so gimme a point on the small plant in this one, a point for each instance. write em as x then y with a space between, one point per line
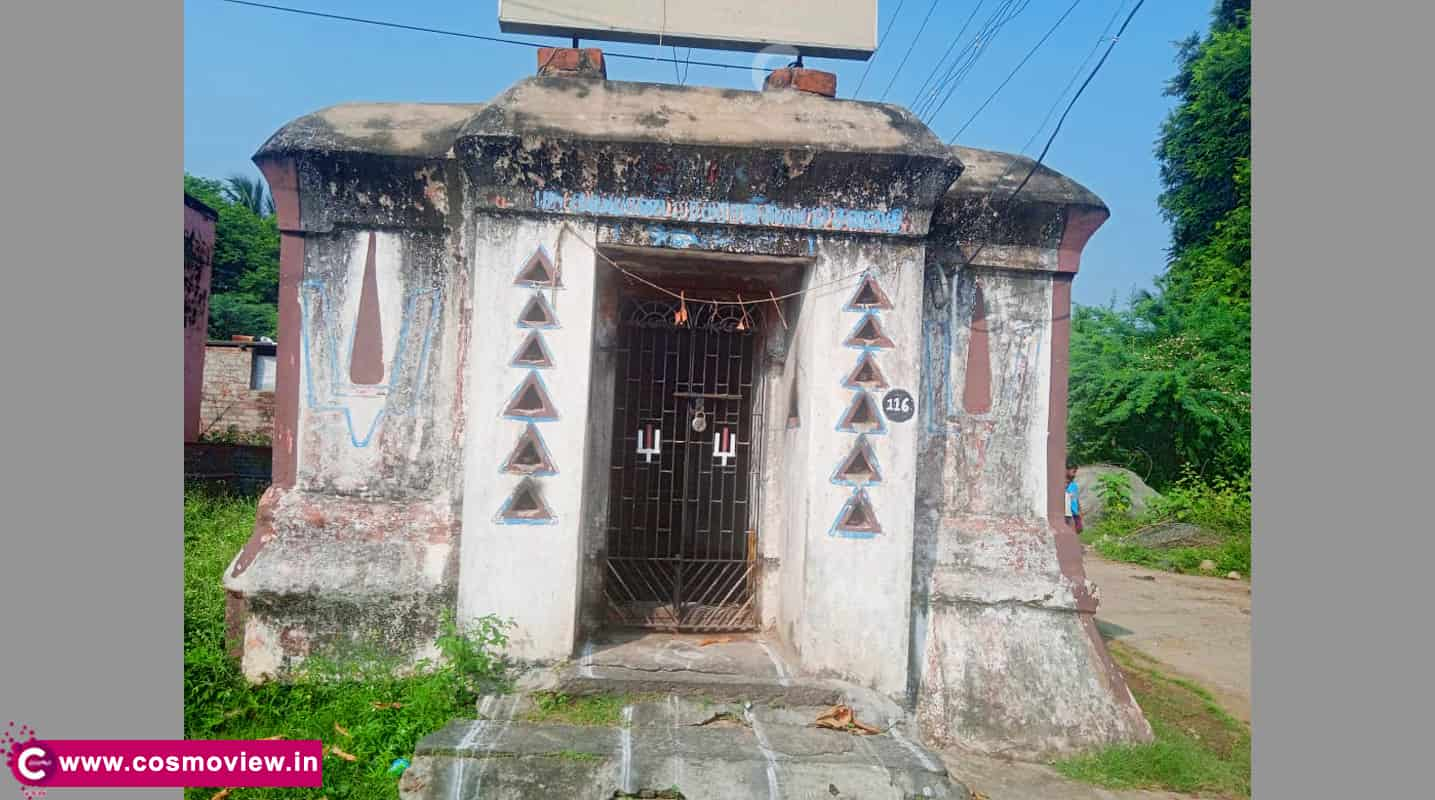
473 652
603 710
1114 489
233 435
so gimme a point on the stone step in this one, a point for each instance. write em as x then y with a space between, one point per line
662 745
724 668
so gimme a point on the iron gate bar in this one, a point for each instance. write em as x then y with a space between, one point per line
681 544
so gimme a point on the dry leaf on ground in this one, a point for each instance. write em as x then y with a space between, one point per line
341 754
341 730
382 706
842 718
222 793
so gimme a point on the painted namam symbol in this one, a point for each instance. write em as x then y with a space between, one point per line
724 445
652 446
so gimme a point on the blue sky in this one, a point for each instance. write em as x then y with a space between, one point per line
248 71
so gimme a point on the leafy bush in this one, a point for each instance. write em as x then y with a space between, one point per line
1219 505
1114 489
358 707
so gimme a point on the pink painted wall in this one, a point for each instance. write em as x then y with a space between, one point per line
198 257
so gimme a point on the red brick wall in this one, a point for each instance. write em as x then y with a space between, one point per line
227 400
198 255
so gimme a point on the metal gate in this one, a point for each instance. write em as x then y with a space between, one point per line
687 433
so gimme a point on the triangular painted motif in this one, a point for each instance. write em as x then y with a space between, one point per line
862 416
537 313
866 375
868 334
525 506
857 519
539 271
530 456
860 467
869 295
532 353
366 357
530 401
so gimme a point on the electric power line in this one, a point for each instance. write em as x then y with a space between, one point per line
1054 131
1081 68
880 42
958 72
967 58
1015 69
912 47
938 66
479 37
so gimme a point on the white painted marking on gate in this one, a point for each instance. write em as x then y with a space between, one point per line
782 676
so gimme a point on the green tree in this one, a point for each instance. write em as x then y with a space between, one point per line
244 287
250 193
1165 382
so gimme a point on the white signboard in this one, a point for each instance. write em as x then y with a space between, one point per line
830 28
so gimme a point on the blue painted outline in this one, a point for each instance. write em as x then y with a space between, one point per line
342 388
501 519
553 315
871 454
534 374
880 430
542 447
841 533
868 276
758 212
847 382
557 276
875 317
533 333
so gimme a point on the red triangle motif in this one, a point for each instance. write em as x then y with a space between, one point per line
869 295
857 515
530 456
537 313
532 353
525 504
530 401
866 374
862 415
860 466
868 334
538 271
366 358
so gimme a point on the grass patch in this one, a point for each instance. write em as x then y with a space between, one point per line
599 710
1218 506
220 704
1198 748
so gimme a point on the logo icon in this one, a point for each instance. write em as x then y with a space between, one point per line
30 760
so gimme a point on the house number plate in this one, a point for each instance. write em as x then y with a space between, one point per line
898 405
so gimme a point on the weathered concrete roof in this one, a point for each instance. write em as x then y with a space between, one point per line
423 130
598 110
986 170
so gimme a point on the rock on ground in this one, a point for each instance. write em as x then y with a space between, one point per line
1088 480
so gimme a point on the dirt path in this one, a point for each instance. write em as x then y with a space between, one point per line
1199 627
997 779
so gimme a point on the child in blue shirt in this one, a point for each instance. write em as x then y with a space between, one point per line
1073 500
